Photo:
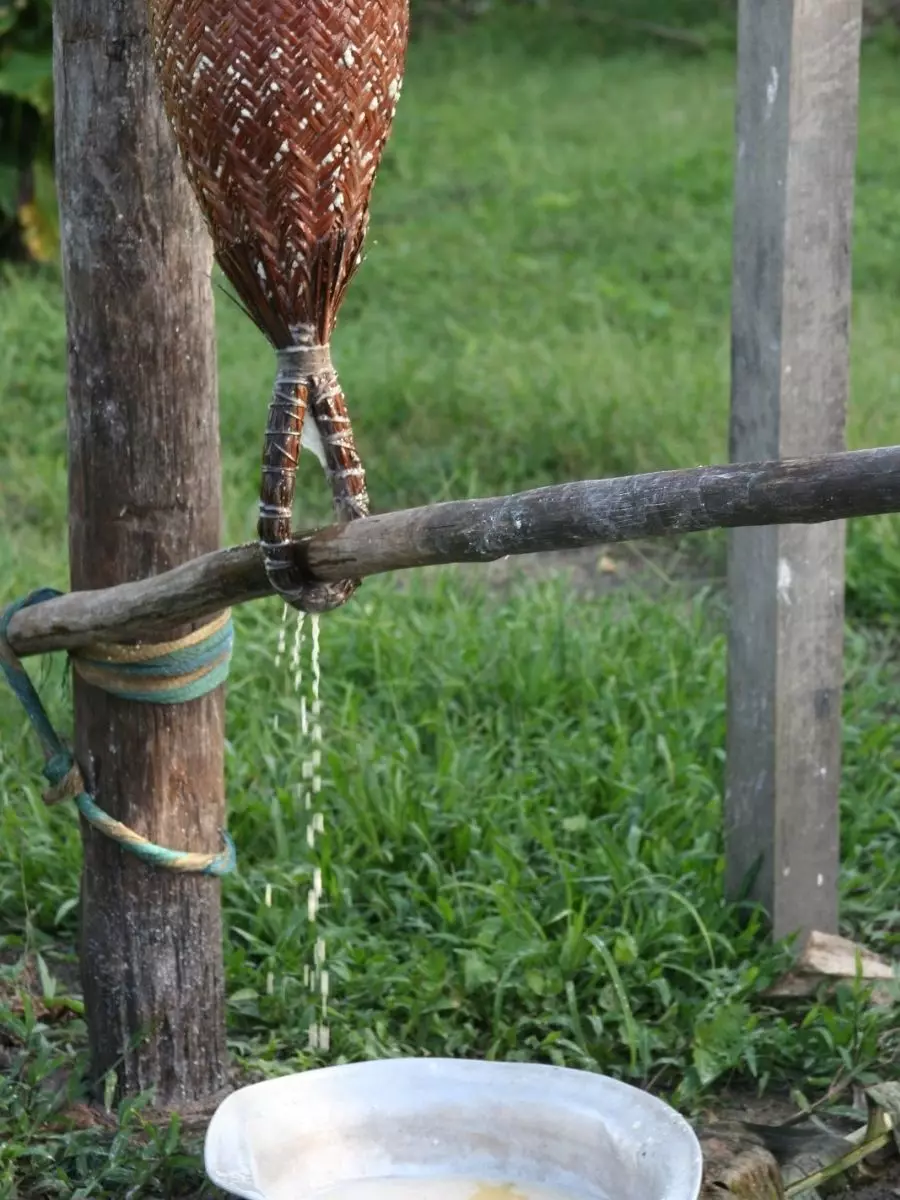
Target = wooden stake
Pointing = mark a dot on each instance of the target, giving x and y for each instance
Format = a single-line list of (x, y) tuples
[(796, 146), (144, 494)]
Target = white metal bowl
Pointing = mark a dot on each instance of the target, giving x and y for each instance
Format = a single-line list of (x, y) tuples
[(586, 1136)]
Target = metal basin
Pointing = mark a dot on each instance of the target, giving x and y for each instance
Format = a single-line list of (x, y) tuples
[(582, 1135)]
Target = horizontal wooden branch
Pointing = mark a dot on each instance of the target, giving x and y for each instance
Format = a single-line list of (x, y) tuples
[(590, 512)]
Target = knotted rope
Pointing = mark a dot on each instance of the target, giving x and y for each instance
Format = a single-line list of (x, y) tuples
[(168, 673)]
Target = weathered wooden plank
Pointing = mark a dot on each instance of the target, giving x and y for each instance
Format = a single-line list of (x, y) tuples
[(144, 496), (796, 148), (590, 512)]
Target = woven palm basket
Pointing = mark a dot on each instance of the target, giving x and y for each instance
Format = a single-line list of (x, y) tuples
[(281, 110)]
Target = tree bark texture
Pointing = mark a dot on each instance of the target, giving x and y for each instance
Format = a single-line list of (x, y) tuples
[(591, 512), (144, 496)]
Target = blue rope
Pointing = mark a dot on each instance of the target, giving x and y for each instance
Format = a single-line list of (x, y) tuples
[(169, 674)]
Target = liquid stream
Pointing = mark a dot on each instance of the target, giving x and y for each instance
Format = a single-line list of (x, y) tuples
[(315, 974)]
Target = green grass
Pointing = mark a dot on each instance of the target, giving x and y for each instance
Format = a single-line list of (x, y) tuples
[(523, 791)]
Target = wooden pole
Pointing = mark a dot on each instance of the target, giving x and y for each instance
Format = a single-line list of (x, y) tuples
[(796, 147), (144, 495), (565, 516)]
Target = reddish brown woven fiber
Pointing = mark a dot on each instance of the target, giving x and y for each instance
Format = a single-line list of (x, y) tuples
[(281, 110)]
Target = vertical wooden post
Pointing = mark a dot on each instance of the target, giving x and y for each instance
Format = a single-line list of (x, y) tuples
[(796, 148), (144, 495)]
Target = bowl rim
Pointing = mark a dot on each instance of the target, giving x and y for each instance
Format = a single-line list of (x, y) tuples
[(391, 1072)]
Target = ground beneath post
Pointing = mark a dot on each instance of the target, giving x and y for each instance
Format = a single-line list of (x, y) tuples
[(730, 1108), (887, 1188), (719, 1125)]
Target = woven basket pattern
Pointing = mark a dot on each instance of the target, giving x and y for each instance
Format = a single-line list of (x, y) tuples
[(281, 110)]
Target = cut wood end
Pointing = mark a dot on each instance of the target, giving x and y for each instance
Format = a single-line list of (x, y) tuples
[(746, 1171), (826, 957)]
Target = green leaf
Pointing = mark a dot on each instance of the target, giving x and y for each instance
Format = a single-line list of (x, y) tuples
[(110, 1083), (719, 1041), (48, 983), (621, 996), (29, 78), (625, 950), (576, 824), (557, 201), (67, 905), (476, 971), (536, 982), (39, 218), (8, 19), (9, 189), (242, 995)]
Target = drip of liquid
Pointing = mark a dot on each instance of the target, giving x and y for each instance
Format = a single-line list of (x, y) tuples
[(282, 634), (280, 649), (316, 975), (439, 1188)]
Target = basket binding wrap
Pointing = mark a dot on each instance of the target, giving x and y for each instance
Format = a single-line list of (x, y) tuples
[(281, 110)]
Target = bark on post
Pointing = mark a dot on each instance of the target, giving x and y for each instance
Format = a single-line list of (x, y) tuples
[(565, 516), (144, 494), (796, 146)]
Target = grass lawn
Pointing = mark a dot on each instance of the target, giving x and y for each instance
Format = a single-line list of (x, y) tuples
[(523, 790)]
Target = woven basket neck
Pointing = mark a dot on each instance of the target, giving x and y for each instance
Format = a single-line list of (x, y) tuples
[(303, 361)]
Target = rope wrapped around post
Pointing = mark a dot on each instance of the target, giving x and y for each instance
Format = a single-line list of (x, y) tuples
[(281, 110), (171, 672)]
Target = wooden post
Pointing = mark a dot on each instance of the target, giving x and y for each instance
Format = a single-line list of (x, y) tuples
[(144, 494), (796, 148)]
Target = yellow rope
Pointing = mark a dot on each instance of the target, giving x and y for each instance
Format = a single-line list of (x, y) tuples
[(102, 677), (146, 651)]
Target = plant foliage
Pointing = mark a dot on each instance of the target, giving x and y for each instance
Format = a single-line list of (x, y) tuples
[(28, 221)]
